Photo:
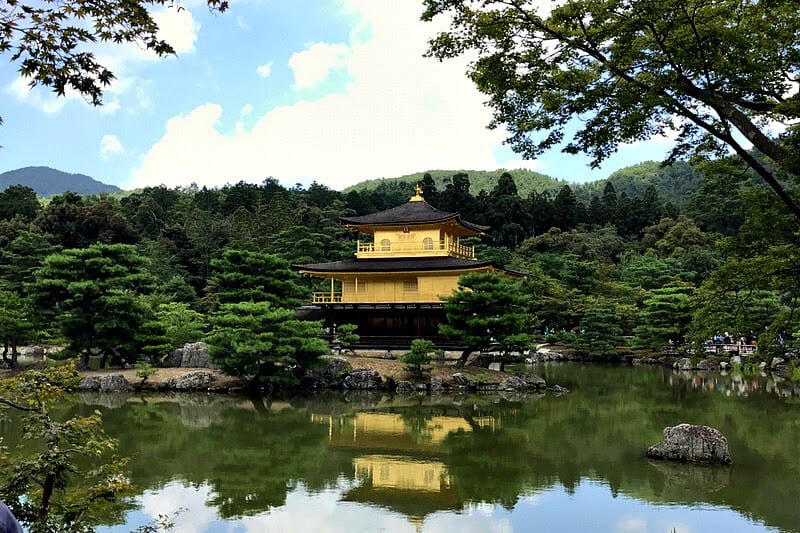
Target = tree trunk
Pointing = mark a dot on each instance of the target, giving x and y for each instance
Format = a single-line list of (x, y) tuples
[(87, 351), (84, 362), (47, 492), (14, 354), (104, 359)]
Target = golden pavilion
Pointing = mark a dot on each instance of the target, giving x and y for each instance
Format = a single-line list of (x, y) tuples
[(393, 287)]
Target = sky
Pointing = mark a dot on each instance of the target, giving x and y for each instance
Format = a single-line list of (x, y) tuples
[(333, 91)]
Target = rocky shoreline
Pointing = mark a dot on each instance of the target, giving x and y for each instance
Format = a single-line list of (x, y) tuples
[(339, 373), (189, 369), (710, 363)]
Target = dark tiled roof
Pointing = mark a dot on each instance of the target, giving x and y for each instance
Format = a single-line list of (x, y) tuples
[(410, 213), (397, 265)]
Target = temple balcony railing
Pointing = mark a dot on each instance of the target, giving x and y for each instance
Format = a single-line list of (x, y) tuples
[(327, 297), (371, 250), (423, 297)]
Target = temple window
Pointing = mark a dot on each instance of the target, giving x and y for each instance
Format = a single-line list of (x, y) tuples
[(349, 286), (386, 245), (410, 285), (427, 243)]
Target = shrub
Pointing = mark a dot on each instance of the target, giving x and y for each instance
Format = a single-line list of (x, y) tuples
[(144, 370), (417, 361), (346, 333)]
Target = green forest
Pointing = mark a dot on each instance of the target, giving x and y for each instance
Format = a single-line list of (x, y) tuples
[(655, 256)]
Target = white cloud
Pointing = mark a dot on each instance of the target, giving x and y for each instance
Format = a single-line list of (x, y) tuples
[(630, 524), (400, 113), (178, 28), (313, 64), (110, 145), (183, 504), (109, 108), (41, 98), (264, 70)]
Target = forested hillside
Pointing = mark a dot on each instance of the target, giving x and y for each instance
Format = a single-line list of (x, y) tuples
[(676, 184), (632, 267), (480, 180)]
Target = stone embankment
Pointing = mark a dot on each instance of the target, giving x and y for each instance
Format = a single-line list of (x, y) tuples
[(778, 365), (367, 373), (338, 372), (711, 363), (165, 379)]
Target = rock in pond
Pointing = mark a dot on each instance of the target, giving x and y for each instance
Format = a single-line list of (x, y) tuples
[(533, 381), (89, 383), (513, 383), (693, 443)]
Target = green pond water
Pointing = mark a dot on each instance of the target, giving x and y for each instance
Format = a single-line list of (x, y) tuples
[(461, 463)]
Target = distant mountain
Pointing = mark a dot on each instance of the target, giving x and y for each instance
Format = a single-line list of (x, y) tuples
[(677, 183), (49, 181), (526, 180)]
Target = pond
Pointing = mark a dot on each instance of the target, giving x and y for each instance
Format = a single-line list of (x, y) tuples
[(380, 462)]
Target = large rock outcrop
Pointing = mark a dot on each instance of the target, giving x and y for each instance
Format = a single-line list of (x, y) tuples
[(106, 383), (362, 379), (199, 380), (192, 355), (693, 443), (329, 376)]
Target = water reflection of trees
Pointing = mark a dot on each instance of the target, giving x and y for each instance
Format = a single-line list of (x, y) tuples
[(738, 384), (249, 454), (252, 453)]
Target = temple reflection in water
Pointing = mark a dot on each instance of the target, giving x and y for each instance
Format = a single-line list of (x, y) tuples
[(403, 466)]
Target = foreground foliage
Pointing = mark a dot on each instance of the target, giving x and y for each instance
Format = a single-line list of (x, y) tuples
[(632, 70), (51, 40), (74, 475)]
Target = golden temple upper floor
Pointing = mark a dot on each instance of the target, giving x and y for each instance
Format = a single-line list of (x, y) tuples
[(414, 229)]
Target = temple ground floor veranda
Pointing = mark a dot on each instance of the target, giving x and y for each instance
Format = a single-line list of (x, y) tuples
[(383, 325)]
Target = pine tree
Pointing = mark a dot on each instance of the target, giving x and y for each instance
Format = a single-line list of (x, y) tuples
[(486, 309), (243, 276), (665, 317), (600, 334), (92, 294), (263, 343), (16, 324), (417, 360)]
